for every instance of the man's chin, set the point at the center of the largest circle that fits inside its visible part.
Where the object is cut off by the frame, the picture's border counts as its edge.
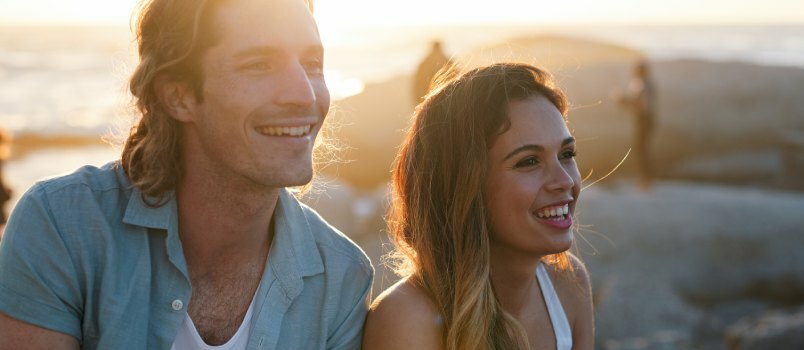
(298, 179)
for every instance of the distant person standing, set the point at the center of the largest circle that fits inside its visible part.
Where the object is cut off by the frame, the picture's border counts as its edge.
(640, 98)
(427, 70)
(5, 192)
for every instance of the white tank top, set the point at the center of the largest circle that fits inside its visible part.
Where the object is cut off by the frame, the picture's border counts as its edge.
(557, 316)
(189, 339)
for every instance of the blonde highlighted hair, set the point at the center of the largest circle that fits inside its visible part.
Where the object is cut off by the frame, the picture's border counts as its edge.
(438, 220)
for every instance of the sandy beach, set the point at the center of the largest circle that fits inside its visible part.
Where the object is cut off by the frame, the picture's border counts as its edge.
(716, 241)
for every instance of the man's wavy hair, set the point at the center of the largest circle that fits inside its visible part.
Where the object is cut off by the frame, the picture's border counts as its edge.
(172, 36)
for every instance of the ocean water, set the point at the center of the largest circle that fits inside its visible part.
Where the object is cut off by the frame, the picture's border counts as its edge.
(72, 80)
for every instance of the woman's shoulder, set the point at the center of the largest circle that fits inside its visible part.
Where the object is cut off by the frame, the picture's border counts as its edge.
(574, 289)
(575, 275)
(403, 317)
(572, 284)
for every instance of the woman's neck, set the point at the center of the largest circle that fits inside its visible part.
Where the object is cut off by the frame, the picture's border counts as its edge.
(514, 282)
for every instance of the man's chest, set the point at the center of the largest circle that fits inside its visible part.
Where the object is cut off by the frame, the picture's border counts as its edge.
(219, 305)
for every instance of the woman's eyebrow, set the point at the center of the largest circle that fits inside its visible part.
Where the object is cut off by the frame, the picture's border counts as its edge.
(536, 148)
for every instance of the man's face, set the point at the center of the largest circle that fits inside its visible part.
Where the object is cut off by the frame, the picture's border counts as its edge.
(264, 95)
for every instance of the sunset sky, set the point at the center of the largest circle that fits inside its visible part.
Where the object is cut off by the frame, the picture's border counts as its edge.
(394, 13)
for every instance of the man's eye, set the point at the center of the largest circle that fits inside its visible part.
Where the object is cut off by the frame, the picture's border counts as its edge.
(258, 66)
(314, 66)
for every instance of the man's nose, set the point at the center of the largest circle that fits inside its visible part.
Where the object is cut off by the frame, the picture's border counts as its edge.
(296, 89)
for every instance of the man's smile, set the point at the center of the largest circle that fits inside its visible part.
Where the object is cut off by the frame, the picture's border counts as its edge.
(293, 131)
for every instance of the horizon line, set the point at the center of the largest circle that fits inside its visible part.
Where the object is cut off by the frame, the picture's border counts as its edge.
(4, 23)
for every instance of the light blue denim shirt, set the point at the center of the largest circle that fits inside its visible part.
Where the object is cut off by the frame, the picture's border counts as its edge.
(84, 255)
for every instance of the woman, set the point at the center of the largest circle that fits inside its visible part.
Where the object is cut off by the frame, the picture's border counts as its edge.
(485, 188)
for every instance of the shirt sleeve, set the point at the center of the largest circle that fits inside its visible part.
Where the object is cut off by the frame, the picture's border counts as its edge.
(349, 334)
(38, 280)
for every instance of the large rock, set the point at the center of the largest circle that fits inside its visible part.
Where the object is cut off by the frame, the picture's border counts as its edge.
(688, 259)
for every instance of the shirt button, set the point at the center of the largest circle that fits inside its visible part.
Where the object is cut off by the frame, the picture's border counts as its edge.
(177, 305)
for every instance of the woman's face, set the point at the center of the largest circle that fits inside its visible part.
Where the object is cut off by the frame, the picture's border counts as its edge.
(532, 183)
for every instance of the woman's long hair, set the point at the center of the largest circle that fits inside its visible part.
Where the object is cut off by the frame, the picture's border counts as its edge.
(438, 220)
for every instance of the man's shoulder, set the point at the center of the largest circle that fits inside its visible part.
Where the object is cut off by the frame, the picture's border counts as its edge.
(88, 194)
(329, 238)
(104, 178)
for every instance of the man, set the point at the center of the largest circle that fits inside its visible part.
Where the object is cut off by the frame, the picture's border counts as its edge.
(191, 238)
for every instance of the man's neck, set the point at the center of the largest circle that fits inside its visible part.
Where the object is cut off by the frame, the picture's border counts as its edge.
(223, 221)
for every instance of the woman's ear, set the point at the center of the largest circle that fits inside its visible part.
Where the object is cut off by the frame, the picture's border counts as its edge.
(176, 97)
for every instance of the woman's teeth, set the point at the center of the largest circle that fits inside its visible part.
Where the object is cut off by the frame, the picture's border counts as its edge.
(554, 213)
(284, 130)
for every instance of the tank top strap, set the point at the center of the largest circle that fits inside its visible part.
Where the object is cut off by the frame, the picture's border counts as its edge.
(557, 316)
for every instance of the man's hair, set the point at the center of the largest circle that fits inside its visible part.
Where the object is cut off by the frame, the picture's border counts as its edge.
(438, 221)
(172, 36)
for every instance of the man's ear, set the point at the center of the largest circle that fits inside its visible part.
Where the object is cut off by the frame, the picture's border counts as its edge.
(176, 97)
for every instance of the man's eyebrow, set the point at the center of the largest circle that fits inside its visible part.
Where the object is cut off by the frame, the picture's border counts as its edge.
(536, 148)
(257, 51)
(315, 50)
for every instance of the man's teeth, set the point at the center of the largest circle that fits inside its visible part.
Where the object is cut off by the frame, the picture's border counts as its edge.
(554, 213)
(284, 130)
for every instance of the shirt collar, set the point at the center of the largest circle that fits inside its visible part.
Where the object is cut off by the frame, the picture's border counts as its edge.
(164, 218)
(139, 213)
(294, 252)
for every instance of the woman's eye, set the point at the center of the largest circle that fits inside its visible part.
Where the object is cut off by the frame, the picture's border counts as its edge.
(527, 162)
(569, 154)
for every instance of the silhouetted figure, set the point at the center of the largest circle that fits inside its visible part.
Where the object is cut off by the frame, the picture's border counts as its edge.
(432, 63)
(640, 98)
(5, 191)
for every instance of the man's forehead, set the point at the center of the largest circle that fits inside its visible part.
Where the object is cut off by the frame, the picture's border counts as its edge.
(309, 3)
(257, 20)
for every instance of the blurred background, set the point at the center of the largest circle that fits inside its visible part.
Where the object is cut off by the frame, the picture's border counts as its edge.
(704, 254)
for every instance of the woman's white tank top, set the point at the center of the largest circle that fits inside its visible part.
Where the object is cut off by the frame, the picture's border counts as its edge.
(557, 316)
